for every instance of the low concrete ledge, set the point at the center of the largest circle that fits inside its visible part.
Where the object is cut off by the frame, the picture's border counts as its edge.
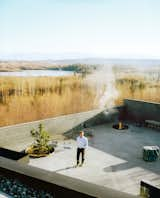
(149, 190)
(152, 124)
(143, 101)
(3, 195)
(92, 190)
(14, 155)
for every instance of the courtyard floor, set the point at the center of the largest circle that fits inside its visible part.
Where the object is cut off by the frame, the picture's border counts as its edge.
(113, 158)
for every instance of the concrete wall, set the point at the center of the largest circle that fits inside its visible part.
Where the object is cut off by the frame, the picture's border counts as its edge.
(17, 137)
(62, 182)
(106, 116)
(141, 110)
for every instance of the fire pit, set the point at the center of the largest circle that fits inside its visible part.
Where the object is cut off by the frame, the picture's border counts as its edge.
(120, 126)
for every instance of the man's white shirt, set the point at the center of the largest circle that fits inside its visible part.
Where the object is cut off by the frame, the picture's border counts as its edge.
(82, 142)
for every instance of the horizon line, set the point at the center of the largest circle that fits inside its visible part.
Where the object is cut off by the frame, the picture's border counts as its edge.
(79, 58)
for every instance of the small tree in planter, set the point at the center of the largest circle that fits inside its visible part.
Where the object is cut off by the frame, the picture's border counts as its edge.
(41, 146)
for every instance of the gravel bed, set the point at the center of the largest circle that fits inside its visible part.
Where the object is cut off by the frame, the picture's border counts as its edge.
(17, 189)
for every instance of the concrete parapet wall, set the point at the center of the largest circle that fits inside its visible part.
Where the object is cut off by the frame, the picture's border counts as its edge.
(61, 181)
(108, 115)
(17, 137)
(141, 110)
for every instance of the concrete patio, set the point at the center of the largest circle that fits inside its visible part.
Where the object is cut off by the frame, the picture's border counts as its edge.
(113, 159)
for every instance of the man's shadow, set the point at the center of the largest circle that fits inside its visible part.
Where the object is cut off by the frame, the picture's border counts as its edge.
(67, 168)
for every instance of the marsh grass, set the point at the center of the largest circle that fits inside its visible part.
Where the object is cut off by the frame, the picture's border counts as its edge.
(24, 99)
(136, 87)
(33, 98)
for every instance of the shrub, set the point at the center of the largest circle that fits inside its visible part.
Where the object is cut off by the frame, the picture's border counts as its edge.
(41, 144)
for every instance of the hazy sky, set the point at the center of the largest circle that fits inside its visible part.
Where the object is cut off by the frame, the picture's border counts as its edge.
(80, 28)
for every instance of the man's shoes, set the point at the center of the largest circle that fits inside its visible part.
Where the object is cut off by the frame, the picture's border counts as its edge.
(81, 165)
(76, 165)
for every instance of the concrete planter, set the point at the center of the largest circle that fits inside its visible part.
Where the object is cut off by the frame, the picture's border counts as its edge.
(30, 151)
(14, 155)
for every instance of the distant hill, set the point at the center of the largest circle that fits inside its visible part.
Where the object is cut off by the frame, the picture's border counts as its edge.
(13, 65)
(102, 61)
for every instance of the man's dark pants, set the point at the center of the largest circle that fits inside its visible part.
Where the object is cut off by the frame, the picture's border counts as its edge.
(82, 152)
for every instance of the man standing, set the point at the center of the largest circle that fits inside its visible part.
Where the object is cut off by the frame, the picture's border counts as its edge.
(82, 144)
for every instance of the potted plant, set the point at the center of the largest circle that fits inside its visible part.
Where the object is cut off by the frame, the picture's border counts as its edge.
(41, 146)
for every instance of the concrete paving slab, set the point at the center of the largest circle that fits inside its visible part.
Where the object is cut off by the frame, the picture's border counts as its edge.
(113, 159)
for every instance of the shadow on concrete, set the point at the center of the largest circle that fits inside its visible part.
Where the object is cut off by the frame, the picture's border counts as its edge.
(66, 168)
(127, 146)
(129, 165)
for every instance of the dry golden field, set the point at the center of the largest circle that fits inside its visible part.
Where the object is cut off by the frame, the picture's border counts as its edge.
(24, 99)
(32, 98)
(137, 88)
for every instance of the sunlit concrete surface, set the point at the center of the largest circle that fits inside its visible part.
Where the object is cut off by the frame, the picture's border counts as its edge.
(17, 137)
(3, 195)
(113, 159)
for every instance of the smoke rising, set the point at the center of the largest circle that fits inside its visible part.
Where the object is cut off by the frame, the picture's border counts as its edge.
(103, 79)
